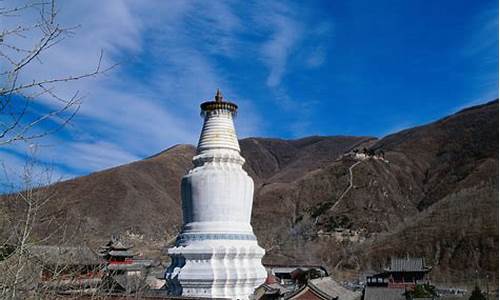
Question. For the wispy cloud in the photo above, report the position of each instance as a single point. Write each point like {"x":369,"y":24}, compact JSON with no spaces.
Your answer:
{"x":481,"y":47}
{"x":169,"y":55}
{"x":276,"y":51}
{"x":27,"y":170}
{"x":482,"y":37}
{"x":174,"y":54}
{"x":316,"y":58}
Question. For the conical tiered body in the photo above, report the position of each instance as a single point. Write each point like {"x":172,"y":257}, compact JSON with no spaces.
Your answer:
{"x":216,"y":254}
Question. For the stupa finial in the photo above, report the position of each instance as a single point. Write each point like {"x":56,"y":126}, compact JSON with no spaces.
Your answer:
{"x":218,"y":96}
{"x":218,"y":103}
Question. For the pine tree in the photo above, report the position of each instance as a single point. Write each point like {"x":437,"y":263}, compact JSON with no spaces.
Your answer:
{"x":477,"y":294}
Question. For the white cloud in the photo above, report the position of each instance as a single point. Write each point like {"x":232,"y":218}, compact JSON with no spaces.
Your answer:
{"x":21,"y":171}
{"x":276,"y":51}
{"x":97,"y":155}
{"x":317,"y":58}
{"x":167,"y":53}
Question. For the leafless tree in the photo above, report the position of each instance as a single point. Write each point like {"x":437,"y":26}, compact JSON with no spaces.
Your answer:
{"x":21,"y":46}
{"x":34,"y":30}
{"x":41,"y":255}
{"x":23,"y":212}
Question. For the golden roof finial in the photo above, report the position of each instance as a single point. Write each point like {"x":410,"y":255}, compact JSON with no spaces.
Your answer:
{"x":218,"y":96}
{"x":218,"y":104}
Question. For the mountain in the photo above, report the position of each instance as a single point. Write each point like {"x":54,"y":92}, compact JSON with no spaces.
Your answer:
{"x":434,"y":194}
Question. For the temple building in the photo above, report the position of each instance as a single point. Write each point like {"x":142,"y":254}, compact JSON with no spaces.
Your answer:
{"x":394,"y":283}
{"x":115,"y":252}
{"x":403,"y":272}
{"x":63,"y":270}
{"x":124,"y":272}
{"x":216,"y":255}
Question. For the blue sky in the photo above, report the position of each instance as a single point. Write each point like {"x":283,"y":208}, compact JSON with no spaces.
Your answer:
{"x":295,"y":69}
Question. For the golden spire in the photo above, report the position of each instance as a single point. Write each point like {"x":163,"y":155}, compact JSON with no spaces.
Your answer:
{"x":217,"y":104}
{"x":218,"y":96}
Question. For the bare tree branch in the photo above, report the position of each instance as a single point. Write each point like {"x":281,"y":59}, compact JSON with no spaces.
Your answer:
{"x":18,"y":122}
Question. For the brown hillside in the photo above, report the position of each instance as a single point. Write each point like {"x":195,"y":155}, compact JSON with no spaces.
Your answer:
{"x":437,"y":197}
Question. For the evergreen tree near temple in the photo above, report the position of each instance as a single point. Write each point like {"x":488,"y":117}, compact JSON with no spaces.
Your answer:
{"x":477,"y":294}
{"x":421,"y":291}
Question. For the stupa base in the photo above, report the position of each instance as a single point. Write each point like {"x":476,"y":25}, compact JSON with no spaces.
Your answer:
{"x":216,"y":269}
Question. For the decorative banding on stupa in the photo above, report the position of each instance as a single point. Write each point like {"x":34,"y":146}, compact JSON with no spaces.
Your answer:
{"x":216,"y":255}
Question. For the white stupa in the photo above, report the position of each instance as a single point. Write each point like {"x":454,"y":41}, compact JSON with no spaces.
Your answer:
{"x":216,"y":255}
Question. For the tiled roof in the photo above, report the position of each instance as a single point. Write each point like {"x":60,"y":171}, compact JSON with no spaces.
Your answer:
{"x":407,"y":264}
{"x":279,"y":268}
{"x":121,"y":253}
{"x":127,"y":267}
{"x":332,"y":288}
{"x":117,"y":244}
{"x":324,"y":288}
